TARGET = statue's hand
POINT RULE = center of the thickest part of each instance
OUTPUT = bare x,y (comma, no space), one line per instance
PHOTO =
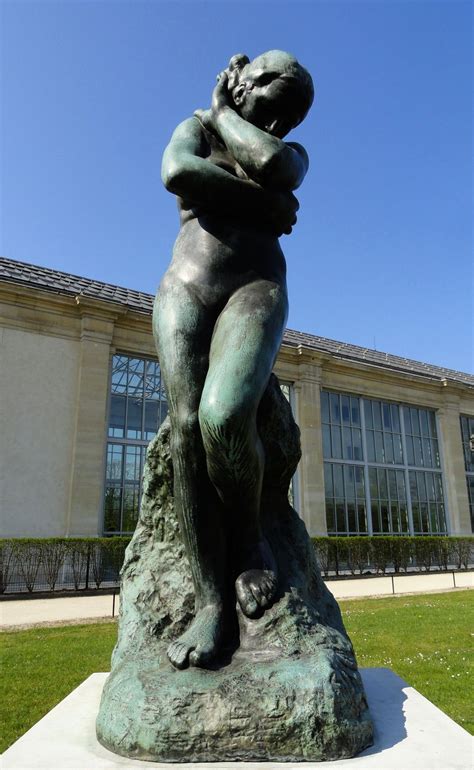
281,211
221,97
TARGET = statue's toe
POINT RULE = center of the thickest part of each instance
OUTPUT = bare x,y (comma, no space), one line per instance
246,598
201,657
178,654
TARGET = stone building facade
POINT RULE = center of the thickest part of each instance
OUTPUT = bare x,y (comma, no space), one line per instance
385,440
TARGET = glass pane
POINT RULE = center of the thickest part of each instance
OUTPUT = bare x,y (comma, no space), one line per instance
340,517
401,485
392,485
387,421
327,441
328,485
338,483
424,517
410,451
134,418
117,416
427,461
395,418
370,446
325,406
385,520
374,490
416,517
359,483
433,518
357,444
135,377
132,463
119,374
421,481
113,496
130,507
379,452
424,422
368,414
349,482
375,517
404,518
330,516
388,447
346,410
430,486
151,419
114,462
438,487
418,452
383,488
441,518
355,412
432,426
351,517
397,449
435,453
335,410
163,409
336,442
347,443
406,419
395,518
415,422
362,518
377,415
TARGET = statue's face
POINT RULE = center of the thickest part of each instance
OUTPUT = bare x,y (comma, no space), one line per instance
266,99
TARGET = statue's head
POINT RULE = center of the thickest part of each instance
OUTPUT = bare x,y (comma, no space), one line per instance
274,92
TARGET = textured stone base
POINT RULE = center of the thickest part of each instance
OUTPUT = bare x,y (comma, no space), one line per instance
410,734
291,691
252,709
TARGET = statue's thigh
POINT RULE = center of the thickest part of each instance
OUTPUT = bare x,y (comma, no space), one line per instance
183,329
246,340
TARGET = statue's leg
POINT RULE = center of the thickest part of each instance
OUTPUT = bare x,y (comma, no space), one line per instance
183,329
244,346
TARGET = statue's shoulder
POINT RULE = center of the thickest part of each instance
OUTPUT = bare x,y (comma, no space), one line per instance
188,136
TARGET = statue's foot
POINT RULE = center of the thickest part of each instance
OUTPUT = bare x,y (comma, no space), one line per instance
200,643
256,586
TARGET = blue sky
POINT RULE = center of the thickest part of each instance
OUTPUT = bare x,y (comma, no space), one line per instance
382,252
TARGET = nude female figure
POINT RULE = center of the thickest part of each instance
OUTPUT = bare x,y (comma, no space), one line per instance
218,321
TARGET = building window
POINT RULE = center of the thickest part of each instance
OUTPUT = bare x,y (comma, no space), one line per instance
138,406
382,467
467,433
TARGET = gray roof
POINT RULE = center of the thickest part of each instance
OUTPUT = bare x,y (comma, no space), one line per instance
58,282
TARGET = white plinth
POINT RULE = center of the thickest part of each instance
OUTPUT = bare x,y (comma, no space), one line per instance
410,734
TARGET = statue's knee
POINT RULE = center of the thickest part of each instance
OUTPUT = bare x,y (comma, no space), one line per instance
219,422
184,430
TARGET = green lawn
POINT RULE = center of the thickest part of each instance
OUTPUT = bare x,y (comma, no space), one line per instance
427,640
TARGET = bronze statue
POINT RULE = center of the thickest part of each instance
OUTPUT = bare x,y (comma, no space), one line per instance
220,577
218,321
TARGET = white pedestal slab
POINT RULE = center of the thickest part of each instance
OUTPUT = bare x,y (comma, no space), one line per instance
410,734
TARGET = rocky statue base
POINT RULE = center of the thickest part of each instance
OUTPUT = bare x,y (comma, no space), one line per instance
287,687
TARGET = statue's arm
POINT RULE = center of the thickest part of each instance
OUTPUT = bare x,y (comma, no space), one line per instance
265,158
186,172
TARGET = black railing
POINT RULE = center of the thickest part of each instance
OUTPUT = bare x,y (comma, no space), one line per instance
46,565
77,564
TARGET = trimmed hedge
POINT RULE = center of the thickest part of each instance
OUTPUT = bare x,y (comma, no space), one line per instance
36,563
381,553
41,563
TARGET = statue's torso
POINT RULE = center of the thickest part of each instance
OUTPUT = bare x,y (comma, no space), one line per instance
219,254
